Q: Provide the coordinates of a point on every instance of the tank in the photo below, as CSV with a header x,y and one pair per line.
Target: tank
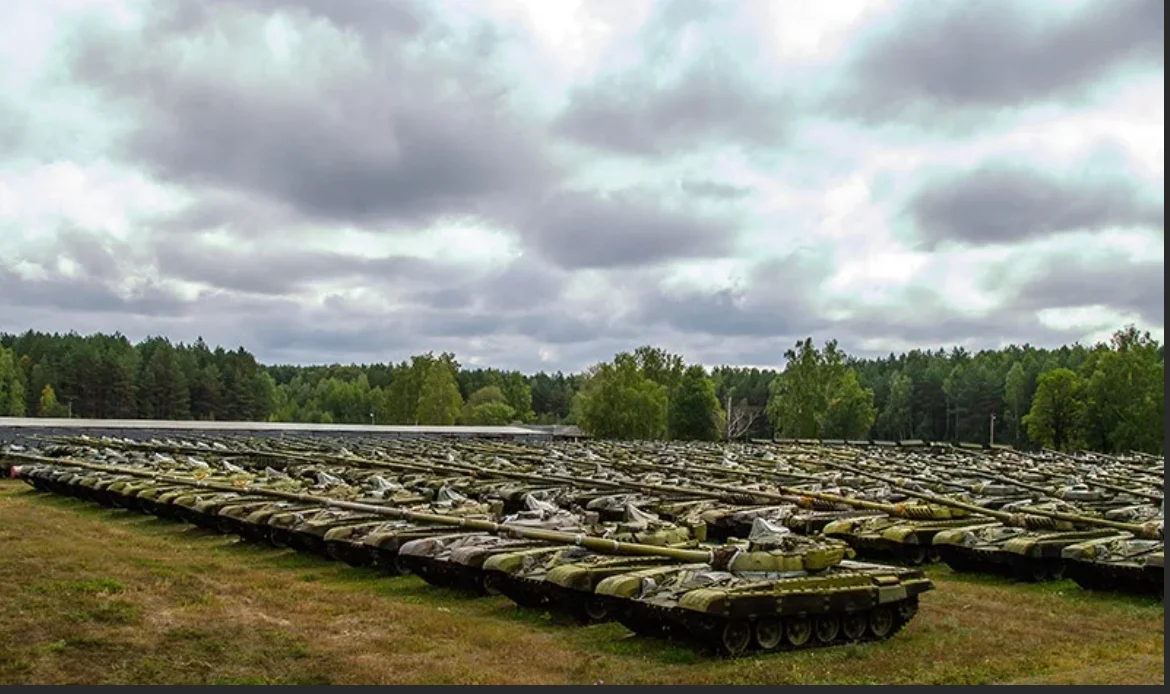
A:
x,y
376,542
456,559
1026,540
562,579
902,533
778,591
555,577
1124,562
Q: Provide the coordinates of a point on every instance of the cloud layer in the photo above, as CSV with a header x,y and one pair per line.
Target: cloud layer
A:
x,y
538,184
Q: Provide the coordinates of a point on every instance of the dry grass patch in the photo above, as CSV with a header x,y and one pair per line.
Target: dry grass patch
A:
x,y
99,596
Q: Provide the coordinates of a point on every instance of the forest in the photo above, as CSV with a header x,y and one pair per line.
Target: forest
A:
x,y
1107,397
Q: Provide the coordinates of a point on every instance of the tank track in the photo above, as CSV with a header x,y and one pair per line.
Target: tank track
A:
x,y
1021,568
1104,576
735,637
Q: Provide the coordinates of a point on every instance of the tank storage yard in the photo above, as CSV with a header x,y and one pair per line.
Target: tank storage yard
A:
x,y
729,549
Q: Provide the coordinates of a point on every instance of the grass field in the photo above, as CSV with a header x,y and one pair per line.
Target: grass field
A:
x,y
94,595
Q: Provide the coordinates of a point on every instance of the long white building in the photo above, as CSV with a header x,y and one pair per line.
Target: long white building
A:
x,y
16,428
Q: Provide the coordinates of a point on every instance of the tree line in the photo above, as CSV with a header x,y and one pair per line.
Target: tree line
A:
x,y
1106,397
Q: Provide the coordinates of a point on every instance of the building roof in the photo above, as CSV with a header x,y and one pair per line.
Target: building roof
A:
x,y
176,425
557,429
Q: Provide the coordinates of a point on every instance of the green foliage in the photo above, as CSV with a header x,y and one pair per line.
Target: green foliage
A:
x,y
1018,387
694,411
439,402
11,385
1056,419
485,395
895,421
491,414
1125,394
660,366
619,401
49,407
488,407
819,396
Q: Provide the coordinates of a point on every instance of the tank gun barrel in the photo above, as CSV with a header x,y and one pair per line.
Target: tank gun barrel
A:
x,y
1147,530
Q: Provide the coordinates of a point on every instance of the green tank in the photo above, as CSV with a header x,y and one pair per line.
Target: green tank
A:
x,y
1025,541
456,559
563,578
780,590
1125,562
376,543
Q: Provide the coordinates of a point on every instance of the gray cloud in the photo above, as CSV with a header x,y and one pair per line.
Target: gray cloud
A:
x,y
778,298
58,292
708,103
923,317
938,57
1071,280
276,269
372,18
1006,203
392,138
584,230
687,91
712,189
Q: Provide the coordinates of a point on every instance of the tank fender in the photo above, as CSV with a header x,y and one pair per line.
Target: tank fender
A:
x,y
888,594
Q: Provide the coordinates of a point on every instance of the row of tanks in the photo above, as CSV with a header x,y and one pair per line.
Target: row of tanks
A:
x,y
1030,545
736,548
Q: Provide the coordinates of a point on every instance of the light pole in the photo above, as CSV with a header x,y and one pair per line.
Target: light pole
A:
x,y
993,429
371,419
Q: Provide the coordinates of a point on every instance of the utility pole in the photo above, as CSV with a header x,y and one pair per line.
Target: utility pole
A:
x,y
992,428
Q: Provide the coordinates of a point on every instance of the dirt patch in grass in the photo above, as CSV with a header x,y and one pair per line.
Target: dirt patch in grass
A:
x,y
96,596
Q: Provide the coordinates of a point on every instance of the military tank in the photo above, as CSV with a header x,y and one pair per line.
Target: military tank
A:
x,y
1027,540
310,530
376,543
562,578
1125,562
779,591
456,559
1023,539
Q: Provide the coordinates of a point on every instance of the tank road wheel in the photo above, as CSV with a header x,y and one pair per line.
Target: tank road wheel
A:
x,y
769,633
735,637
853,625
914,555
594,610
933,555
798,631
487,583
597,609
1056,571
827,628
881,622
387,562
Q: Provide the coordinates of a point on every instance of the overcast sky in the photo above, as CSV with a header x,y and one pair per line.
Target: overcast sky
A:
x,y
538,184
